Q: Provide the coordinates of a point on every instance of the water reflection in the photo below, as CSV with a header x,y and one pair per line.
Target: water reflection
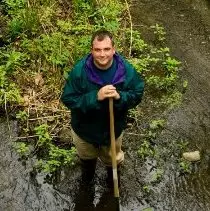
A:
x,y
84,200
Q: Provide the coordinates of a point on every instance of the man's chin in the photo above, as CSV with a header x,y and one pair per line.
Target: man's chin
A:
x,y
102,64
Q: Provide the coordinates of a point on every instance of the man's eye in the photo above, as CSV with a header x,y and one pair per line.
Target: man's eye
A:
x,y
107,49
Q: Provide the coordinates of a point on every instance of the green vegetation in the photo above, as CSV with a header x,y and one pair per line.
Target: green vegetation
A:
x,y
43,39
157,176
185,166
147,189
57,157
22,149
147,148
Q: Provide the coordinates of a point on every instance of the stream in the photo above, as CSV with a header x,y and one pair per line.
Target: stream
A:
x,y
187,24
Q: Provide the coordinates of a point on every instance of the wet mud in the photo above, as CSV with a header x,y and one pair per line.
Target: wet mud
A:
x,y
188,35
187,24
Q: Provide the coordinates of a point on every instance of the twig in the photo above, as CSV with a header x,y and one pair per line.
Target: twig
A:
x,y
27,125
135,134
45,117
25,137
131,28
53,128
49,108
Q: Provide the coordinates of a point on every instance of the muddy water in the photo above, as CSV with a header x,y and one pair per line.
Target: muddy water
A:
x,y
19,190
187,23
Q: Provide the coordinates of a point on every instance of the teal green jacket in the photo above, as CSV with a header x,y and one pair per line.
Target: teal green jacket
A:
x,y
90,117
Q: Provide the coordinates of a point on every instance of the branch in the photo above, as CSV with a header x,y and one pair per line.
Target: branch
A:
x,y
131,27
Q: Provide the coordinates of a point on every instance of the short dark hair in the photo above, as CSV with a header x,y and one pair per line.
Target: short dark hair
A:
x,y
101,35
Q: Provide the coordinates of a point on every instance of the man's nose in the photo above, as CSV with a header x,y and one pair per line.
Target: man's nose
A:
x,y
102,53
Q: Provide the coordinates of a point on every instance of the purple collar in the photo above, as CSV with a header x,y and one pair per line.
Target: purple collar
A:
x,y
95,78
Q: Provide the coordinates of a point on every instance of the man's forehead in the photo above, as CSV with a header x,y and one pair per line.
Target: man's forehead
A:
x,y
98,38
98,41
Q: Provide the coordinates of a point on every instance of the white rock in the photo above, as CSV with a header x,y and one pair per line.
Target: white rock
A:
x,y
192,156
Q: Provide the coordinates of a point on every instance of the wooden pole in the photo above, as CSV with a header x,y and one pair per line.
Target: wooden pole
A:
x,y
113,148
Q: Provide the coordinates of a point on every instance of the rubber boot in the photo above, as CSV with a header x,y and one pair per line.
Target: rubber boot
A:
x,y
88,170
109,178
84,198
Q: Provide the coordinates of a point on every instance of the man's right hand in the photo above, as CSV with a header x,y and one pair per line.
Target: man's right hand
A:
x,y
107,92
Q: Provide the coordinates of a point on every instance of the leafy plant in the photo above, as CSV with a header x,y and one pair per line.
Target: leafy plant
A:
x,y
3,79
10,94
157,176
22,115
185,84
145,150
171,64
182,144
44,138
185,166
146,189
172,100
12,60
159,31
148,209
14,5
22,149
156,124
57,158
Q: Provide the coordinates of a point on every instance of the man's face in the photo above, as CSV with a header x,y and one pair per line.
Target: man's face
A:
x,y
103,52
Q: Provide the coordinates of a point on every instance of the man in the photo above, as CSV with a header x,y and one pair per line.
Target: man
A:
x,y
101,75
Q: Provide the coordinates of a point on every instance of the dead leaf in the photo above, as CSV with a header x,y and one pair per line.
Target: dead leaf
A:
x,y
26,100
54,105
39,81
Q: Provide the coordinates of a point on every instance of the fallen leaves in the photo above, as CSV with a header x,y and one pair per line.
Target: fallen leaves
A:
x,y
38,79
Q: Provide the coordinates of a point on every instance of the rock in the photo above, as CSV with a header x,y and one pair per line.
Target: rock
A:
x,y
192,156
65,135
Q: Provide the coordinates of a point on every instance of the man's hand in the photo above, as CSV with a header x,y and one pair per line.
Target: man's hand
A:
x,y
107,92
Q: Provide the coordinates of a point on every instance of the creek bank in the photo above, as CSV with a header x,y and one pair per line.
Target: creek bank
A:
x,y
19,190
187,25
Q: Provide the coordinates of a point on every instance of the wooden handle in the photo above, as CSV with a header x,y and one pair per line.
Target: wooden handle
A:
x,y
113,148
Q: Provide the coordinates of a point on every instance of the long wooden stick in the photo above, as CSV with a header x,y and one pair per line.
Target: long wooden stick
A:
x,y
113,148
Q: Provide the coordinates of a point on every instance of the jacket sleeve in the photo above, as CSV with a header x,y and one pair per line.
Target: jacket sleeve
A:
x,y
76,97
131,96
